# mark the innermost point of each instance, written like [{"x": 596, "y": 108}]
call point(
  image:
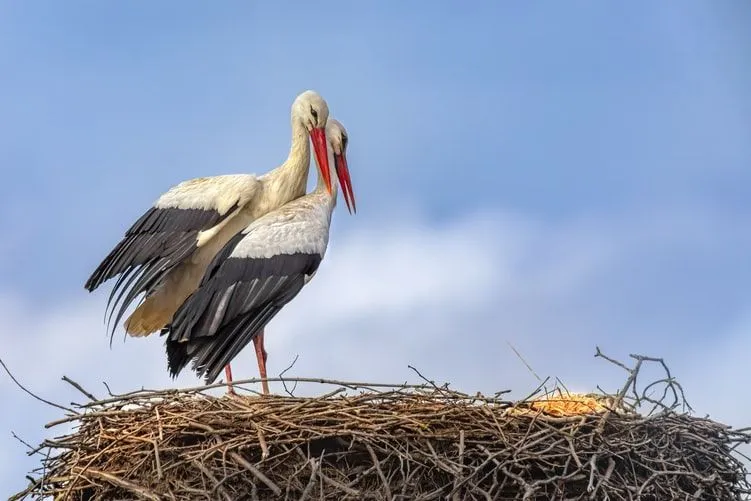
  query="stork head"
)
[
  {"x": 311, "y": 111},
  {"x": 337, "y": 136}
]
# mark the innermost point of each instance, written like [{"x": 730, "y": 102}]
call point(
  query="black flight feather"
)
[
  {"x": 156, "y": 243},
  {"x": 236, "y": 299}
]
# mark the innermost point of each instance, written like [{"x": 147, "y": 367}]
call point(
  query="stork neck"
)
[
  {"x": 321, "y": 187},
  {"x": 292, "y": 175},
  {"x": 299, "y": 150}
]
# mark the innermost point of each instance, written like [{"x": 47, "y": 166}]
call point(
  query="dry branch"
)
[{"x": 393, "y": 442}]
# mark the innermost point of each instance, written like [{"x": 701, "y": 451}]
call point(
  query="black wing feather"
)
[
  {"x": 158, "y": 241},
  {"x": 156, "y": 234},
  {"x": 236, "y": 299}
]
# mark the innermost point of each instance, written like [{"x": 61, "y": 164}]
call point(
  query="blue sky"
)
[{"x": 553, "y": 175}]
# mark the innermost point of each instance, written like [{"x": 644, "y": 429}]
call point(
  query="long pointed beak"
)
[
  {"x": 318, "y": 135},
  {"x": 342, "y": 172}
]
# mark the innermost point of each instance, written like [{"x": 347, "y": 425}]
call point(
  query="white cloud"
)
[{"x": 445, "y": 299}]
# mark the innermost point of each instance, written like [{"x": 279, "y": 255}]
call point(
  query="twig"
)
[
  {"x": 377, "y": 464},
  {"x": 633, "y": 373},
  {"x": 536, "y": 391},
  {"x": 217, "y": 484},
  {"x": 255, "y": 471},
  {"x": 262, "y": 443},
  {"x": 79, "y": 388},
  {"x": 109, "y": 391},
  {"x": 599, "y": 353},
  {"x": 200, "y": 389},
  {"x": 32, "y": 450},
  {"x": 159, "y": 473},
  {"x": 523, "y": 361},
  {"x": 459, "y": 475},
  {"x": 291, "y": 393},
  {"x": 428, "y": 381},
  {"x": 311, "y": 481},
  {"x": 53, "y": 404},
  {"x": 131, "y": 487}
]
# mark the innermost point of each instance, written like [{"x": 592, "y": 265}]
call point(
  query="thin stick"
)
[
  {"x": 32, "y": 450},
  {"x": 524, "y": 361},
  {"x": 53, "y": 404},
  {"x": 291, "y": 393},
  {"x": 255, "y": 471},
  {"x": 79, "y": 388},
  {"x": 133, "y": 488},
  {"x": 354, "y": 385}
]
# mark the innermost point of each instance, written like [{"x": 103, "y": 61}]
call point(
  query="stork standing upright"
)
[
  {"x": 166, "y": 251},
  {"x": 255, "y": 275}
]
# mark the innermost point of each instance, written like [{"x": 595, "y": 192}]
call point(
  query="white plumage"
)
[
  {"x": 257, "y": 272},
  {"x": 219, "y": 193},
  {"x": 165, "y": 253},
  {"x": 299, "y": 226}
]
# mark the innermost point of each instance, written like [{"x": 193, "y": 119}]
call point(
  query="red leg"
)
[
  {"x": 261, "y": 356},
  {"x": 228, "y": 377}
]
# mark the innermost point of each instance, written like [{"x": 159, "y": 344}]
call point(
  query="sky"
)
[{"x": 549, "y": 177}]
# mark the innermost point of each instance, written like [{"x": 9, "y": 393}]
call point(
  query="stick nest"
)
[{"x": 389, "y": 442}]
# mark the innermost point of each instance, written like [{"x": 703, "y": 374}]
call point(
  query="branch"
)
[
  {"x": 79, "y": 388},
  {"x": 53, "y": 404},
  {"x": 291, "y": 392}
]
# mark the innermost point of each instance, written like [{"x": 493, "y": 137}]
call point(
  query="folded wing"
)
[{"x": 258, "y": 272}]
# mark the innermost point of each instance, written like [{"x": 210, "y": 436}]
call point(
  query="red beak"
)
[
  {"x": 342, "y": 172},
  {"x": 318, "y": 135}
]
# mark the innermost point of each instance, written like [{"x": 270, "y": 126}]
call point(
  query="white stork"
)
[
  {"x": 165, "y": 253},
  {"x": 259, "y": 271}
]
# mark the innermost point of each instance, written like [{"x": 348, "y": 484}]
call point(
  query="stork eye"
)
[{"x": 314, "y": 113}]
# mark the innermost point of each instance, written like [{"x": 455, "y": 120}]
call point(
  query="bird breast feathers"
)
[{"x": 219, "y": 193}]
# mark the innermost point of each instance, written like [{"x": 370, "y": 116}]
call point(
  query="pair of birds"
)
[{"x": 216, "y": 258}]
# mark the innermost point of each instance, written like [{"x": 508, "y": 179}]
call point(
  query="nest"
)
[{"x": 388, "y": 442}]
